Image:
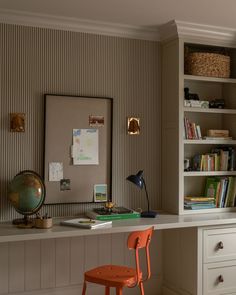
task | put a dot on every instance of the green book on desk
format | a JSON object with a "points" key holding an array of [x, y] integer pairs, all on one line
{"points": [[124, 214]]}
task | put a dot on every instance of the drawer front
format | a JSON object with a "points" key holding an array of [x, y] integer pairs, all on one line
{"points": [[219, 278], [219, 245]]}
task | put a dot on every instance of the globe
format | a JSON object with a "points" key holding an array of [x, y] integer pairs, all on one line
{"points": [[26, 193]]}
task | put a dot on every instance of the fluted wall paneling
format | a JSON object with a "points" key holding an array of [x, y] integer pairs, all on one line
{"points": [[35, 61]]}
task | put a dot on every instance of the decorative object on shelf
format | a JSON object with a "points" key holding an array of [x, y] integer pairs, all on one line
{"points": [[27, 195], [133, 126], [218, 133], [139, 181], [109, 206], [187, 165], [217, 104], [190, 96], [207, 64], [204, 104], [17, 122]]}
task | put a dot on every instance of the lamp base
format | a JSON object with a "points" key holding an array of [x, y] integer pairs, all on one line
{"points": [[148, 214]]}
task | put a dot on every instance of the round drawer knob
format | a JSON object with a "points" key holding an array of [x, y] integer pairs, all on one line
{"points": [[220, 245], [220, 279]]}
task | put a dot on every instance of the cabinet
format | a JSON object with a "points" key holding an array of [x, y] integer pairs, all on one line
{"points": [[176, 183], [219, 261], [200, 261]]}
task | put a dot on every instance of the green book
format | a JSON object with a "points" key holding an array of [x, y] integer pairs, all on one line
{"points": [[212, 187], [113, 216]]}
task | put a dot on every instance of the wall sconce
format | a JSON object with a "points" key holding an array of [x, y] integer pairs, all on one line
{"points": [[17, 122], [133, 126]]}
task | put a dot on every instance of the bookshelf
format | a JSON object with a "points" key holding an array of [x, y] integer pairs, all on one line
{"points": [[177, 183]]}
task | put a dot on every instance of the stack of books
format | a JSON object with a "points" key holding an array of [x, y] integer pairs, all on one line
{"points": [[219, 159], [197, 203], [191, 130], [117, 213], [222, 189]]}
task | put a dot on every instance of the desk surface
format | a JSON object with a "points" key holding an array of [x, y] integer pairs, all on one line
{"points": [[10, 233]]}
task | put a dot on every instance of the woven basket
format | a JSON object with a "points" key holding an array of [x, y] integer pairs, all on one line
{"points": [[207, 64]]}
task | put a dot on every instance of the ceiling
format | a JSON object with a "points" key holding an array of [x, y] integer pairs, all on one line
{"points": [[149, 13]]}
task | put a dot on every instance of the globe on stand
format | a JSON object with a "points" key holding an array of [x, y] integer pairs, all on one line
{"points": [[27, 195]]}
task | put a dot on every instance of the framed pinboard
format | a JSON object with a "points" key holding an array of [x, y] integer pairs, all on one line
{"points": [[78, 149]]}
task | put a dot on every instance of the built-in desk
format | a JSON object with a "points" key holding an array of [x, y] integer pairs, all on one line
{"points": [[10, 233], [191, 254]]}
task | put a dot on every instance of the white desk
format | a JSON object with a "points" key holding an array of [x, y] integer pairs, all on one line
{"points": [[10, 233], [183, 251]]}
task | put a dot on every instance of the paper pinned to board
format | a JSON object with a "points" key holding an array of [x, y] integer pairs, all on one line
{"points": [[55, 171], [85, 147]]}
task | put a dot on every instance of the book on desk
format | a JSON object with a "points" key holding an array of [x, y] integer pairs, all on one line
{"points": [[116, 214], [86, 223]]}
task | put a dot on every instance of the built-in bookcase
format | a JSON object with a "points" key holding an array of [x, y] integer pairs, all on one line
{"points": [[177, 183]]}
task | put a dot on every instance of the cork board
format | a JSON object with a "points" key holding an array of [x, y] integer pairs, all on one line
{"points": [[73, 182]]}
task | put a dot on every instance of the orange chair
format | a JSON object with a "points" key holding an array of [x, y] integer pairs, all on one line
{"points": [[122, 276]]}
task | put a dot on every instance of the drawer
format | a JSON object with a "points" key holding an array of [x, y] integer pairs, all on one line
{"points": [[219, 278], [219, 245]]}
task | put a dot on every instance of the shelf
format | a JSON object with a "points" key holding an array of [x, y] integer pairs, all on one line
{"points": [[209, 173], [212, 210], [209, 141], [209, 79], [206, 110]]}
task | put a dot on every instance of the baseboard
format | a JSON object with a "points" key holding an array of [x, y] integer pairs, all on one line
{"points": [[173, 291], [167, 291], [152, 287]]}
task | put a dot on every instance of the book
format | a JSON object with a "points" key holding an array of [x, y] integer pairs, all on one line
{"points": [[199, 206], [113, 216], [229, 191], [212, 187], [217, 138], [199, 199], [86, 223]]}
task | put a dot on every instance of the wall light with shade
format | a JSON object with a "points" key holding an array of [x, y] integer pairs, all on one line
{"points": [[17, 122], [139, 181], [133, 126]]}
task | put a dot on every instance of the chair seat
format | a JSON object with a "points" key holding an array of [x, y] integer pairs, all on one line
{"points": [[112, 276]]}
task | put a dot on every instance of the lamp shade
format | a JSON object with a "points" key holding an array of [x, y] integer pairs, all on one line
{"points": [[137, 179]]}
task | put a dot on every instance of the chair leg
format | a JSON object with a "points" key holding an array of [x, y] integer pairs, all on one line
{"points": [[84, 288], [118, 291], [107, 291], [141, 288]]}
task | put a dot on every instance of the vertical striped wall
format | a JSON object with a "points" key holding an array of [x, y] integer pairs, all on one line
{"points": [[35, 61]]}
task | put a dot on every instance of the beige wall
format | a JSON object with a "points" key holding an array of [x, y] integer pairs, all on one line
{"points": [[36, 61]]}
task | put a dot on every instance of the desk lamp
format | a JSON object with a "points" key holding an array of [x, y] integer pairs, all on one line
{"points": [[139, 181]]}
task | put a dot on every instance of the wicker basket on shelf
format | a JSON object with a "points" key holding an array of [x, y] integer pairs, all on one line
{"points": [[207, 64]]}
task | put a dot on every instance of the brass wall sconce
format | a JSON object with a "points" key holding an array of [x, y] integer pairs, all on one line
{"points": [[17, 122], [133, 126]]}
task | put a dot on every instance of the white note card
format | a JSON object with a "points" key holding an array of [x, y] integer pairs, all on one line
{"points": [[55, 171]]}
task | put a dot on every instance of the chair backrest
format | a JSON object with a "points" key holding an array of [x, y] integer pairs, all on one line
{"points": [[138, 240]]}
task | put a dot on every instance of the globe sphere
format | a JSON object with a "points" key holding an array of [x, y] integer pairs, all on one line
{"points": [[27, 192]]}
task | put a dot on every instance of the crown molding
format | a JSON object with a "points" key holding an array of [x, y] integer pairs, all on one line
{"points": [[77, 25], [171, 30], [176, 28]]}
